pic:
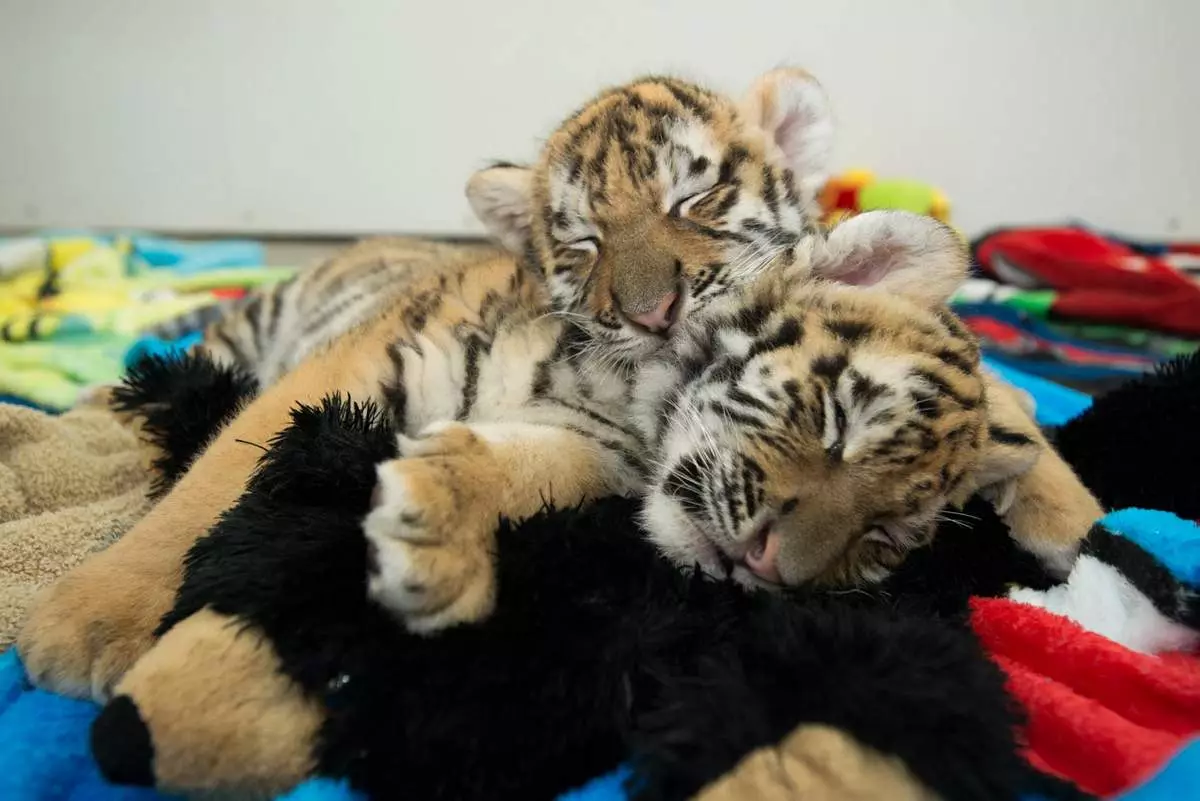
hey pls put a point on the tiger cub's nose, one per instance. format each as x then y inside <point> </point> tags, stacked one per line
<point>662,316</point>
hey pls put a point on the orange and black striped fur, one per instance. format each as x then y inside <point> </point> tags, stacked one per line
<point>658,196</point>
<point>507,403</point>
<point>806,431</point>
<point>272,330</point>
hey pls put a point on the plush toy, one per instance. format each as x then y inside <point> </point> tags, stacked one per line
<point>273,666</point>
<point>857,191</point>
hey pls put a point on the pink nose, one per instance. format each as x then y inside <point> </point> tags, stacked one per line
<point>763,555</point>
<point>661,316</point>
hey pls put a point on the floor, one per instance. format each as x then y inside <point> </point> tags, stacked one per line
<point>301,252</point>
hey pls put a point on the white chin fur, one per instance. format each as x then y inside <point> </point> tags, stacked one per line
<point>668,527</point>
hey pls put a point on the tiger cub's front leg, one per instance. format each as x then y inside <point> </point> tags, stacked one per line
<point>431,531</point>
<point>1046,507</point>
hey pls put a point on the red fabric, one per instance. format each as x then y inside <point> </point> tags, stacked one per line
<point>1098,714</point>
<point>1098,279</point>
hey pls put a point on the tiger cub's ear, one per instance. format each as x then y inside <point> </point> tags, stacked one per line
<point>502,198</point>
<point>792,109</point>
<point>899,252</point>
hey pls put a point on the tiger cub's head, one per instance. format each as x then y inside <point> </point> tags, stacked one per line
<point>657,196</point>
<point>812,427</point>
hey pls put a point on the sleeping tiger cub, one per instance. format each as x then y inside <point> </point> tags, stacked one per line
<point>645,205</point>
<point>809,432</point>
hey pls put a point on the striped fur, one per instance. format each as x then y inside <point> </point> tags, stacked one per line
<point>661,189</point>
<point>832,426</point>
<point>272,330</point>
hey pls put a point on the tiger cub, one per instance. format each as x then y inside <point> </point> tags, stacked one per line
<point>646,204</point>
<point>810,432</point>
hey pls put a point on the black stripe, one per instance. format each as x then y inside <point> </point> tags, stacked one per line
<point>941,385</point>
<point>395,392</point>
<point>715,233</point>
<point>864,390</point>
<point>956,360</point>
<point>751,320</point>
<point>850,331</point>
<point>791,388</point>
<point>631,459</point>
<point>744,398</point>
<point>926,403</point>
<point>684,482</point>
<point>1007,436</point>
<point>1171,597</point>
<point>317,323</point>
<point>734,415</point>
<point>705,279</point>
<point>575,168</point>
<point>252,311</point>
<point>770,196</point>
<point>728,201</point>
<point>730,497</point>
<point>789,187</point>
<point>276,299</point>
<point>749,490</point>
<point>594,416</point>
<point>472,348</point>
<point>734,157</point>
<point>689,99</point>
<point>235,350</point>
<point>830,367</point>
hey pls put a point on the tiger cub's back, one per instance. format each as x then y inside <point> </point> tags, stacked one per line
<point>272,330</point>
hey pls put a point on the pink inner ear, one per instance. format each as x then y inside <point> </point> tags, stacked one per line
<point>789,131</point>
<point>868,266</point>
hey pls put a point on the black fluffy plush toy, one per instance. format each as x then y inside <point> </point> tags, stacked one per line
<point>273,665</point>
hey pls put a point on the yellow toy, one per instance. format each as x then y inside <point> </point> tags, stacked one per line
<point>856,191</point>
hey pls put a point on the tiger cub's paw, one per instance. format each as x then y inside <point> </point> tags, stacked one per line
<point>430,530</point>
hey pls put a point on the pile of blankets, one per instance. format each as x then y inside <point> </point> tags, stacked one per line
<point>1082,307</point>
<point>75,309</point>
<point>1108,706</point>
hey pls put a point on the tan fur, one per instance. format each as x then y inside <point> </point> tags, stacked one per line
<point>438,505</point>
<point>274,329</point>
<point>88,629</point>
<point>221,713</point>
<point>1046,507</point>
<point>818,763</point>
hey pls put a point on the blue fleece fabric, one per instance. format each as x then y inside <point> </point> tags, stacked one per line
<point>1176,542</point>
<point>1056,404</point>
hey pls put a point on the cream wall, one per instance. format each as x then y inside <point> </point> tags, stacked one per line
<point>366,115</point>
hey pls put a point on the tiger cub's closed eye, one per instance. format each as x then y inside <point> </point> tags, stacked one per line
<point>583,247</point>
<point>682,206</point>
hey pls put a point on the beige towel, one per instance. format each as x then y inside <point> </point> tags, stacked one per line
<point>69,485</point>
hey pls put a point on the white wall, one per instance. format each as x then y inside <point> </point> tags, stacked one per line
<point>366,115</point>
